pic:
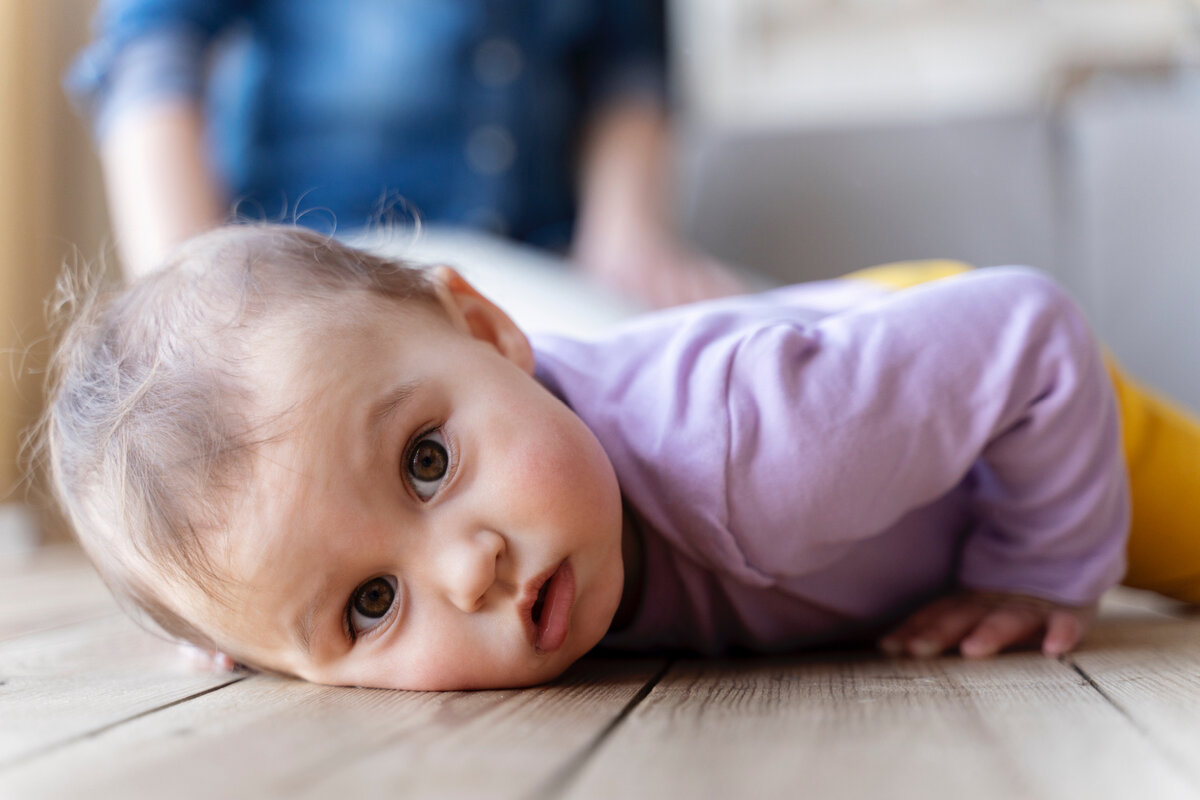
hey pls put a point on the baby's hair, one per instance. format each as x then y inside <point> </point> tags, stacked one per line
<point>149,416</point>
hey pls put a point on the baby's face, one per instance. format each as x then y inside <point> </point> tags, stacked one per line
<point>432,518</point>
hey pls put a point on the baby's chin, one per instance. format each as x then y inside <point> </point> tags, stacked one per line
<point>544,670</point>
<point>520,677</point>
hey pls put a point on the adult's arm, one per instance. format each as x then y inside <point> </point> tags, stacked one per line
<point>161,189</point>
<point>141,83</point>
<point>625,233</point>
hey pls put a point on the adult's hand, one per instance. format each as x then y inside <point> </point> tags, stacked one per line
<point>656,268</point>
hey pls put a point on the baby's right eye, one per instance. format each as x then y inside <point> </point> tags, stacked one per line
<point>370,604</point>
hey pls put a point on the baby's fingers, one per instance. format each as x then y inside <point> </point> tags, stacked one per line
<point>1001,628</point>
<point>1065,629</point>
<point>934,629</point>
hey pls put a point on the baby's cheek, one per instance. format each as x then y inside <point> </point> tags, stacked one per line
<point>574,476</point>
<point>430,657</point>
<point>483,664</point>
<point>554,475</point>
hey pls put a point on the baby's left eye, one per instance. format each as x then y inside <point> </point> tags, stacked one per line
<point>427,464</point>
<point>369,603</point>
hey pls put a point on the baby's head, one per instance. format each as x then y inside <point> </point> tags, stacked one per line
<point>336,466</point>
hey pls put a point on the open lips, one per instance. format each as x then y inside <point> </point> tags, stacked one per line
<point>549,610</point>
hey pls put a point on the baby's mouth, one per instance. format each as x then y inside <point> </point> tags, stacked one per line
<point>549,614</point>
<point>540,602</point>
<point>552,612</point>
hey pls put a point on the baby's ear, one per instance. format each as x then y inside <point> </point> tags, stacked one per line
<point>481,318</point>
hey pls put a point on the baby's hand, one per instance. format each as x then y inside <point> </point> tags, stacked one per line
<point>982,624</point>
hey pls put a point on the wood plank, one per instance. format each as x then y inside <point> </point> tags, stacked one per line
<point>50,587</point>
<point>58,685</point>
<point>1019,726</point>
<point>1123,603</point>
<point>1151,670</point>
<point>273,737</point>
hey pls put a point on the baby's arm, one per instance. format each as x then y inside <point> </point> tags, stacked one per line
<point>991,384</point>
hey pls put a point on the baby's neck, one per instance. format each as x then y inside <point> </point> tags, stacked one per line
<point>631,555</point>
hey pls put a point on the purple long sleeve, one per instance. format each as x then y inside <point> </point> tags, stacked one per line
<point>827,454</point>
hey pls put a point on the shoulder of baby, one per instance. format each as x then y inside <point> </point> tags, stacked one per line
<point>1013,281</point>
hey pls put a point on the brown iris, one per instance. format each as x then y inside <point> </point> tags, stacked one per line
<point>374,598</point>
<point>429,461</point>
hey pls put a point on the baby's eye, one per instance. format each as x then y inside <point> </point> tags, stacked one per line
<point>427,464</point>
<point>370,603</point>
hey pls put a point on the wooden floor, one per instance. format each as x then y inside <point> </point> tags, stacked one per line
<point>92,707</point>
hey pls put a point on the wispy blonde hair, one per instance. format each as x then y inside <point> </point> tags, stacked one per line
<point>148,426</point>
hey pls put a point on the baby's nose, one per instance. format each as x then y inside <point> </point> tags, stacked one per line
<point>469,568</point>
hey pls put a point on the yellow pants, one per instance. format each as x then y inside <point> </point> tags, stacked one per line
<point>1162,448</point>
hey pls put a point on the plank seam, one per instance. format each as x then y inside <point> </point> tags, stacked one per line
<point>25,758</point>
<point>1092,683</point>
<point>557,783</point>
<point>1176,764</point>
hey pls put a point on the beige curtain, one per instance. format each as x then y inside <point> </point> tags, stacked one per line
<point>24,221</point>
<point>50,204</point>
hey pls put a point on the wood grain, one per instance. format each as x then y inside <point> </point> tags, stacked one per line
<point>1150,669</point>
<point>89,704</point>
<point>53,586</point>
<point>271,737</point>
<point>1020,726</point>
<point>58,685</point>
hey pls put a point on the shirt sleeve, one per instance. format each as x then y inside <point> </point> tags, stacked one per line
<point>991,383</point>
<point>143,51</point>
<point>627,52</point>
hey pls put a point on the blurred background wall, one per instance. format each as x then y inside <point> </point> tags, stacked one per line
<point>827,135</point>
<point>51,203</point>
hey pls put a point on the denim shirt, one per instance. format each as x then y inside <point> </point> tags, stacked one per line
<point>461,111</point>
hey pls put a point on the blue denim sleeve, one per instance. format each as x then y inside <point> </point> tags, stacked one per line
<point>628,54</point>
<point>143,50</point>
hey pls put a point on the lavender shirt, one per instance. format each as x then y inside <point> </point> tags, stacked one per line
<point>813,462</point>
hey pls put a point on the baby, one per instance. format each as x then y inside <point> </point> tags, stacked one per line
<point>330,465</point>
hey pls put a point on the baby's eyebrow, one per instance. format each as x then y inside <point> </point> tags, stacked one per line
<point>386,406</point>
<point>306,623</point>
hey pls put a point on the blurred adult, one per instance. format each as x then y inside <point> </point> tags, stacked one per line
<point>542,120</point>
